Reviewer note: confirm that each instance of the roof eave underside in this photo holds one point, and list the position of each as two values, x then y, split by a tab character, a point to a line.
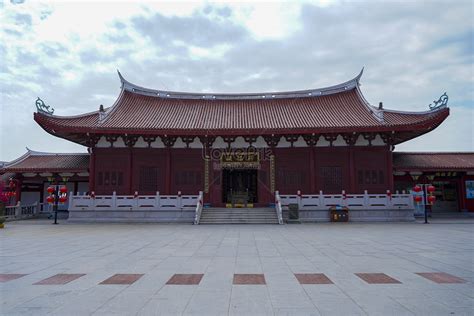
78	134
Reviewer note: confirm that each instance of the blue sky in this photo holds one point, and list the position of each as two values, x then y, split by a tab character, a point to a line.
67	53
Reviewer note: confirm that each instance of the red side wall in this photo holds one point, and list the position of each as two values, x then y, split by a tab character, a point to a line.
466	204
406	182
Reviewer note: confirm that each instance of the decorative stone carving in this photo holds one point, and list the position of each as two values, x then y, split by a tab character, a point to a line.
43	108
441	103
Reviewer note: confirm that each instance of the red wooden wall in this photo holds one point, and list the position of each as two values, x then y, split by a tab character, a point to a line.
333	169
330	169
148	170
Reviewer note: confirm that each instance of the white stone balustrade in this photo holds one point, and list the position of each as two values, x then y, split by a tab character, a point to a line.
364	201
155	202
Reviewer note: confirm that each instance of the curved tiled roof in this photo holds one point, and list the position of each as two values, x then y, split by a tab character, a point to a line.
339	108
33	161
404	161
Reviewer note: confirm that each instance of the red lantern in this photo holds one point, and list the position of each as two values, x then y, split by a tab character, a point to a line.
62	199
431	199
417	188
50	190
50	199
418	198
430	189
63	189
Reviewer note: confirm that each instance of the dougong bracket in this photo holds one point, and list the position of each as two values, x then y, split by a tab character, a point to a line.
43	108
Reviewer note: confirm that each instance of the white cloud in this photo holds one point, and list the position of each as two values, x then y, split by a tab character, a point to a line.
67	54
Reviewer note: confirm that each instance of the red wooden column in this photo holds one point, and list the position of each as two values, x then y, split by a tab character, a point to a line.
312	170
352	173
390	169
168	171
18	183
130	170
92	170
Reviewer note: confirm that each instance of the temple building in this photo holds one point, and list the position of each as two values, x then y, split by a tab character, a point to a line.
239	149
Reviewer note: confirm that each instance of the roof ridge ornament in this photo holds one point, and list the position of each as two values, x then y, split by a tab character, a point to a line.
341	87
43	108
442	102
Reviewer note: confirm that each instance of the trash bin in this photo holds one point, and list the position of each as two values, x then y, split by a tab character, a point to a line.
338	213
293	212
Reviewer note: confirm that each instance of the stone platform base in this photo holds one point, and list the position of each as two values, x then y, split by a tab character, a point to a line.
126	216
358	216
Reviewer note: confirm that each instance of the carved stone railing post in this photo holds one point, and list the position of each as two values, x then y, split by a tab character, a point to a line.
157	200
321	198
180	201
114	200
366	199
18	209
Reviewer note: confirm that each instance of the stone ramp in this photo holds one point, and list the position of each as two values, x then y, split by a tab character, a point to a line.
238	216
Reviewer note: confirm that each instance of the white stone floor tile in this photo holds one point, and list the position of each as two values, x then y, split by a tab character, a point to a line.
250	300
399	250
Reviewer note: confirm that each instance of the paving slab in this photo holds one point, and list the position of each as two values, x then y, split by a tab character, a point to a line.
294	264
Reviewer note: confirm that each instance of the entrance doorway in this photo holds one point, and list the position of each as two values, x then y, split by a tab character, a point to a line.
239	186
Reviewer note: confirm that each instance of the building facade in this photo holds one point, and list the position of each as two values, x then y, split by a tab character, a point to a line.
241	148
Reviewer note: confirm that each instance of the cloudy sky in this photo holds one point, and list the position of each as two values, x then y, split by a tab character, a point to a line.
67	53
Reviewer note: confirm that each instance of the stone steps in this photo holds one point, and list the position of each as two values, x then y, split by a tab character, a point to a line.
238	216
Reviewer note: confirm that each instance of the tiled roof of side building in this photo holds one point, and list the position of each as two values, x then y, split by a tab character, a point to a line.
33	161
405	161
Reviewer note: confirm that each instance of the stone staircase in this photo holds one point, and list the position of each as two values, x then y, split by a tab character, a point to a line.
238	216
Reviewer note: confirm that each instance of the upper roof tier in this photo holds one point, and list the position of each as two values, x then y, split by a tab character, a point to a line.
337	109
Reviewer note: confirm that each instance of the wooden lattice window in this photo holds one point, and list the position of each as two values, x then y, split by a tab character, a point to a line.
292	178
110	178
370	177
188	178
148	179
331	178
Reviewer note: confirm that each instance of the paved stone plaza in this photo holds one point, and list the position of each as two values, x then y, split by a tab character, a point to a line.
308	269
